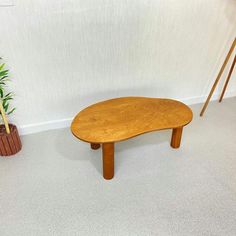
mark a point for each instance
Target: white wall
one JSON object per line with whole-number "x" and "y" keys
{"x": 67, "y": 54}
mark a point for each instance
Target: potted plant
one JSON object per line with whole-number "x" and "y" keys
{"x": 10, "y": 142}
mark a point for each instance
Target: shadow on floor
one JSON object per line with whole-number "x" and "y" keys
{"x": 71, "y": 148}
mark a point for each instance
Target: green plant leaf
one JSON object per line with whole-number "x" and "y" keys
{"x": 3, "y": 78}
{"x": 1, "y": 66}
{"x": 11, "y": 111}
{"x": 9, "y": 94}
{"x": 4, "y": 102}
{"x": 6, "y": 107}
{"x": 3, "y": 73}
{"x": 5, "y": 99}
{"x": 5, "y": 96}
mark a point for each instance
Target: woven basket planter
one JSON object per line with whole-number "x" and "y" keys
{"x": 10, "y": 143}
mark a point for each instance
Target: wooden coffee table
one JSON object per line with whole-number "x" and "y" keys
{"x": 119, "y": 119}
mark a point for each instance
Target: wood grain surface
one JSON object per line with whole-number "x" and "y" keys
{"x": 10, "y": 143}
{"x": 108, "y": 160}
{"x": 123, "y": 118}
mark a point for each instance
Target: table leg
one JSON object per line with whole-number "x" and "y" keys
{"x": 108, "y": 160}
{"x": 176, "y": 137}
{"x": 95, "y": 146}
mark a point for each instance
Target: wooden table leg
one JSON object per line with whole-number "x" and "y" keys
{"x": 176, "y": 137}
{"x": 95, "y": 146}
{"x": 108, "y": 160}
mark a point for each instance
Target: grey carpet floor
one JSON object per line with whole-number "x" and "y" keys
{"x": 54, "y": 186}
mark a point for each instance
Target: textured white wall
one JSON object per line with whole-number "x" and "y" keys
{"x": 66, "y": 54}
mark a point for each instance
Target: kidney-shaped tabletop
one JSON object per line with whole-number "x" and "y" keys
{"x": 123, "y": 118}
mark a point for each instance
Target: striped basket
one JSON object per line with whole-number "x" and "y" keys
{"x": 10, "y": 143}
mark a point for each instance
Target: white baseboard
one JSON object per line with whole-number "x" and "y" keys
{"x": 202, "y": 99}
{"x": 44, "y": 126}
{"x": 65, "y": 123}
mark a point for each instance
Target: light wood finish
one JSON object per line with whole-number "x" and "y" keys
{"x": 123, "y": 118}
{"x": 4, "y": 118}
{"x": 95, "y": 146}
{"x": 176, "y": 137}
{"x": 108, "y": 160}
{"x": 228, "y": 78}
{"x": 218, "y": 77}
{"x": 119, "y": 119}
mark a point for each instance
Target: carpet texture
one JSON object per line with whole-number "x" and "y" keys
{"x": 54, "y": 186}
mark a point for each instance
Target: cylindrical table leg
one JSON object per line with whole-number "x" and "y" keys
{"x": 176, "y": 137}
{"x": 108, "y": 160}
{"x": 95, "y": 146}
